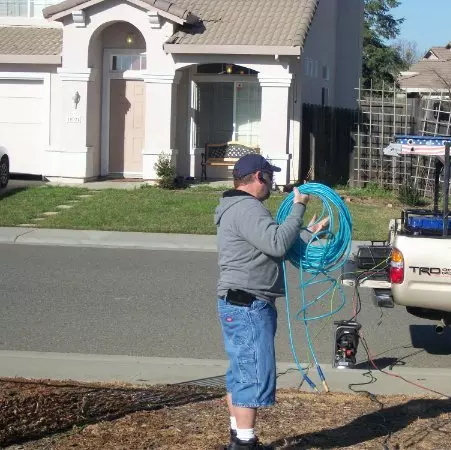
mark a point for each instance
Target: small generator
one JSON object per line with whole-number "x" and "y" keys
{"x": 346, "y": 341}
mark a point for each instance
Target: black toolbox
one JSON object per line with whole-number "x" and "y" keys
{"x": 370, "y": 256}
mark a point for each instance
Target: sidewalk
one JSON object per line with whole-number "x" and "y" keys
{"x": 205, "y": 372}
{"x": 113, "y": 239}
{"x": 108, "y": 239}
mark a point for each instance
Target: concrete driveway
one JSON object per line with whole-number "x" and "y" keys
{"x": 21, "y": 184}
{"x": 100, "y": 184}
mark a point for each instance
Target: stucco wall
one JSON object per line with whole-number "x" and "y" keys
{"x": 335, "y": 41}
{"x": 349, "y": 39}
{"x": 101, "y": 16}
{"x": 182, "y": 121}
{"x": 115, "y": 36}
{"x": 320, "y": 49}
{"x": 55, "y": 110}
{"x": 295, "y": 118}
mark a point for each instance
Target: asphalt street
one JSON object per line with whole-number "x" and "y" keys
{"x": 162, "y": 303}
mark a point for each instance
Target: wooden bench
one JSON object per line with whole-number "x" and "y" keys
{"x": 226, "y": 154}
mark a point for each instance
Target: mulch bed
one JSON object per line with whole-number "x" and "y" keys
{"x": 38, "y": 414}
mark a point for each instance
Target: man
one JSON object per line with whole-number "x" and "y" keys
{"x": 251, "y": 249}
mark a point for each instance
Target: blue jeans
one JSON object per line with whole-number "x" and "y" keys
{"x": 249, "y": 333}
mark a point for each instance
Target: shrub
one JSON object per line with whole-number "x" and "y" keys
{"x": 410, "y": 195}
{"x": 166, "y": 172}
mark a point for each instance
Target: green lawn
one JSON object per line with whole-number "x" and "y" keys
{"x": 153, "y": 210}
{"x": 22, "y": 205}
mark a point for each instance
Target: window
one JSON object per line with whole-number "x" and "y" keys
{"x": 247, "y": 113}
{"x": 325, "y": 96}
{"x": 315, "y": 69}
{"x": 228, "y": 111}
{"x": 326, "y": 73}
{"x": 311, "y": 67}
{"x": 308, "y": 66}
{"x": 24, "y": 8}
{"x": 122, "y": 63}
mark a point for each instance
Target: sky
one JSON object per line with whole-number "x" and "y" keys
{"x": 427, "y": 22}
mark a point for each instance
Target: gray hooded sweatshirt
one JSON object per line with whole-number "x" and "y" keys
{"x": 252, "y": 245}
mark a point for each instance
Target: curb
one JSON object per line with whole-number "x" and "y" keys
{"x": 205, "y": 372}
{"x": 114, "y": 239}
{"x": 108, "y": 239}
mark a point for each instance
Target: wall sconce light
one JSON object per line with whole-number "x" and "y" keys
{"x": 130, "y": 39}
{"x": 229, "y": 68}
{"x": 76, "y": 99}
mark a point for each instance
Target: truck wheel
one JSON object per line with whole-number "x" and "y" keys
{"x": 4, "y": 172}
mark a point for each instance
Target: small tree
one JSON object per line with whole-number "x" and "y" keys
{"x": 381, "y": 62}
{"x": 166, "y": 172}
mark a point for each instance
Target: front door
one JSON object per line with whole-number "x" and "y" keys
{"x": 127, "y": 114}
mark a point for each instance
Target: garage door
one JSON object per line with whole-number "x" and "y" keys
{"x": 21, "y": 124}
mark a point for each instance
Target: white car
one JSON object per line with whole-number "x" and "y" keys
{"x": 4, "y": 167}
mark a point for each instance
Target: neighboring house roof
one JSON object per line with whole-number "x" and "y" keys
{"x": 280, "y": 24}
{"x": 433, "y": 72}
{"x": 442, "y": 53}
{"x": 30, "y": 45}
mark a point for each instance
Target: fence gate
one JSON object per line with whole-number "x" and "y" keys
{"x": 328, "y": 139}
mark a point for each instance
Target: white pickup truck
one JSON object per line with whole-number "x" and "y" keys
{"x": 413, "y": 269}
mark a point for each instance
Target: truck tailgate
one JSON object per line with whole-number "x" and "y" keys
{"x": 427, "y": 272}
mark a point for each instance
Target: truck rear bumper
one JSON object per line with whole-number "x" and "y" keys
{"x": 383, "y": 298}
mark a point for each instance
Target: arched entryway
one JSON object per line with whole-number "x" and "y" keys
{"x": 123, "y": 109}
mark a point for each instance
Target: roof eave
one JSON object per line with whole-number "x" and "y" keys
{"x": 31, "y": 59}
{"x": 66, "y": 12}
{"x": 232, "y": 49}
{"x": 421, "y": 90}
{"x": 189, "y": 19}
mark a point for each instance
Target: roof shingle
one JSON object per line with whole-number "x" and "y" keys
{"x": 432, "y": 74}
{"x": 30, "y": 41}
{"x": 283, "y": 23}
{"x": 442, "y": 53}
{"x": 249, "y": 22}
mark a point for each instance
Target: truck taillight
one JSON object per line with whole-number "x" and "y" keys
{"x": 396, "y": 267}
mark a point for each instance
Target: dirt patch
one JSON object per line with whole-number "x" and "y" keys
{"x": 51, "y": 415}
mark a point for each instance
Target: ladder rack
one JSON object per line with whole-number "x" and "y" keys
{"x": 438, "y": 146}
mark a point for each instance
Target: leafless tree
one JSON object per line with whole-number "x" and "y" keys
{"x": 408, "y": 51}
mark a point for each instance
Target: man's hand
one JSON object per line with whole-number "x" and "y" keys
{"x": 320, "y": 226}
{"x": 300, "y": 198}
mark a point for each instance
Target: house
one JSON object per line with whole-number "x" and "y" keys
{"x": 93, "y": 88}
{"x": 431, "y": 74}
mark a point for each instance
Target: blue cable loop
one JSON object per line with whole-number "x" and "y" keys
{"x": 325, "y": 252}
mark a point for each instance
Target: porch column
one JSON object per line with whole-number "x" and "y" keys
{"x": 161, "y": 115}
{"x": 274, "y": 123}
{"x": 74, "y": 158}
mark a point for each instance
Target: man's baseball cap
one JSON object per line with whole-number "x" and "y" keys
{"x": 252, "y": 163}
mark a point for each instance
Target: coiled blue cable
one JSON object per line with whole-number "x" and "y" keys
{"x": 324, "y": 253}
